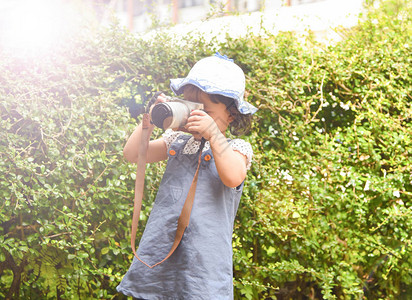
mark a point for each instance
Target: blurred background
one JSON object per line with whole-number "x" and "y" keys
{"x": 39, "y": 24}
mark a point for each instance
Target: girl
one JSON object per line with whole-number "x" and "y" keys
{"x": 201, "y": 266}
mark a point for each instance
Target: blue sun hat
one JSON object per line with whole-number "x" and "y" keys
{"x": 217, "y": 75}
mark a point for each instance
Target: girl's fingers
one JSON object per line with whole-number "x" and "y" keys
{"x": 161, "y": 98}
{"x": 194, "y": 119}
{"x": 192, "y": 126}
{"x": 198, "y": 112}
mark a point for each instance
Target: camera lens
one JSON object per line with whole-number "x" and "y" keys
{"x": 160, "y": 114}
{"x": 172, "y": 114}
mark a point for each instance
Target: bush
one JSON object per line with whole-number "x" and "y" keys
{"x": 67, "y": 192}
{"x": 326, "y": 207}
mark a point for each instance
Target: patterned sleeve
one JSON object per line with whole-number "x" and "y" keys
{"x": 245, "y": 148}
{"x": 169, "y": 136}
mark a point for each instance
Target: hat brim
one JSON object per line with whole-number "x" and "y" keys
{"x": 244, "y": 107}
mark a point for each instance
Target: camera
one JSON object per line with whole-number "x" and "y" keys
{"x": 173, "y": 113}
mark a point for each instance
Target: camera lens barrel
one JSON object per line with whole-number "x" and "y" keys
{"x": 169, "y": 115}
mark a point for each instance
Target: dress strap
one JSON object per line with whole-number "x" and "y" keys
{"x": 184, "y": 217}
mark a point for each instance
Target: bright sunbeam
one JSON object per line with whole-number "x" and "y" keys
{"x": 35, "y": 27}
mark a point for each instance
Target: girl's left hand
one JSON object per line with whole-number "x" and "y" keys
{"x": 200, "y": 124}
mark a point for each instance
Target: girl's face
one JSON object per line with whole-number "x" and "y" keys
{"x": 217, "y": 111}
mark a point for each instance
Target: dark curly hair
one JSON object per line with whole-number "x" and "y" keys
{"x": 241, "y": 123}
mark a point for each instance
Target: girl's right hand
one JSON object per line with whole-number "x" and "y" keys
{"x": 160, "y": 99}
{"x": 157, "y": 150}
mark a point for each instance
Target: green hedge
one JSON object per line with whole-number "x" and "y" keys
{"x": 326, "y": 211}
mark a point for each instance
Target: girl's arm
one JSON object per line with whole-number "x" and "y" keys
{"x": 230, "y": 164}
{"x": 157, "y": 150}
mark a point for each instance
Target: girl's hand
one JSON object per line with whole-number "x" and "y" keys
{"x": 200, "y": 124}
{"x": 160, "y": 99}
{"x": 157, "y": 150}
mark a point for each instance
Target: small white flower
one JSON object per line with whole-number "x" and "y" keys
{"x": 367, "y": 185}
{"x": 396, "y": 194}
{"x": 286, "y": 176}
{"x": 273, "y": 131}
{"x": 344, "y": 106}
{"x": 400, "y": 202}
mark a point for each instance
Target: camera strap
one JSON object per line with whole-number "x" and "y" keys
{"x": 184, "y": 217}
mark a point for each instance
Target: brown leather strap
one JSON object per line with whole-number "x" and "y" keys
{"x": 139, "y": 184}
{"x": 184, "y": 217}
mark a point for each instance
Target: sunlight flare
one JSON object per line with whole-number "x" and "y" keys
{"x": 35, "y": 27}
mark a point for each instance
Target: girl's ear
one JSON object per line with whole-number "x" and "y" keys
{"x": 232, "y": 114}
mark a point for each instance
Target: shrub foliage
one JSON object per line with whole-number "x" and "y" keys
{"x": 326, "y": 211}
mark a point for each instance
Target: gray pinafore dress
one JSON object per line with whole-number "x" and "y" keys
{"x": 201, "y": 266}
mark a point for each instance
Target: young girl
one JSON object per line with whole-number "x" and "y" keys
{"x": 201, "y": 266}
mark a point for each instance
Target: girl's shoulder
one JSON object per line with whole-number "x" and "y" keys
{"x": 192, "y": 146}
{"x": 244, "y": 148}
{"x": 169, "y": 136}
